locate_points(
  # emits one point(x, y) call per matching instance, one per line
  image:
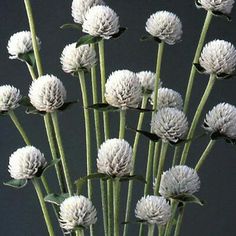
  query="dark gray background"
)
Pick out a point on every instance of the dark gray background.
point(20, 212)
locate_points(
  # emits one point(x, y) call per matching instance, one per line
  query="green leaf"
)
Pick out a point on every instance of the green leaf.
point(67, 105)
point(16, 183)
point(3, 113)
point(34, 111)
point(28, 57)
point(25, 101)
point(225, 76)
point(88, 39)
point(103, 107)
point(188, 198)
point(56, 199)
point(147, 134)
point(121, 31)
point(139, 178)
point(51, 164)
point(198, 4)
point(221, 14)
point(140, 109)
point(150, 38)
point(72, 26)
point(199, 68)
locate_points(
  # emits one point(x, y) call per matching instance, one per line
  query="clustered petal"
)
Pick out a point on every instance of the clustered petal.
point(147, 81)
point(223, 6)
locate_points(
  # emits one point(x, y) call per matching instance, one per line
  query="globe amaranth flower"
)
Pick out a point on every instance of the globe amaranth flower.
point(79, 8)
point(20, 43)
point(101, 21)
point(47, 93)
point(153, 210)
point(222, 119)
point(123, 89)
point(115, 158)
point(170, 124)
point(165, 26)
point(218, 57)
point(179, 180)
point(9, 98)
point(26, 163)
point(75, 58)
point(168, 98)
point(77, 211)
point(223, 6)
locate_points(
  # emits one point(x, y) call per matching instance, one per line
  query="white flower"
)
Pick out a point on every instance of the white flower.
point(101, 21)
point(147, 80)
point(47, 93)
point(74, 59)
point(170, 124)
point(168, 98)
point(115, 158)
point(153, 210)
point(20, 43)
point(218, 57)
point(80, 7)
point(165, 26)
point(9, 97)
point(77, 211)
point(123, 89)
point(222, 119)
point(224, 6)
point(179, 180)
point(26, 163)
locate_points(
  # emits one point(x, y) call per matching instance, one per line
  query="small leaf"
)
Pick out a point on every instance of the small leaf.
point(147, 134)
point(187, 198)
point(103, 107)
point(16, 183)
point(121, 31)
point(199, 68)
point(28, 57)
point(139, 178)
point(221, 14)
point(225, 76)
point(179, 142)
point(25, 101)
point(34, 111)
point(88, 39)
point(198, 4)
point(216, 135)
point(67, 105)
point(72, 26)
point(3, 113)
point(56, 199)
point(140, 109)
point(150, 38)
point(51, 164)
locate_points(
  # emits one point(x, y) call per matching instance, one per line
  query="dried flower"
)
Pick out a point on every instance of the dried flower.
point(101, 21)
point(47, 93)
point(147, 80)
point(26, 163)
point(153, 210)
point(179, 180)
point(80, 8)
point(115, 158)
point(165, 26)
point(223, 6)
point(170, 124)
point(77, 211)
point(81, 58)
point(218, 57)
point(9, 98)
point(222, 119)
point(123, 89)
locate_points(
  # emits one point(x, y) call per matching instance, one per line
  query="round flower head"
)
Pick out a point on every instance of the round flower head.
point(77, 211)
point(179, 180)
point(81, 58)
point(223, 6)
point(170, 124)
point(101, 21)
point(26, 163)
point(168, 98)
point(9, 98)
point(218, 57)
point(222, 119)
point(47, 93)
point(123, 89)
point(147, 81)
point(80, 7)
point(153, 210)
point(115, 158)
point(20, 43)
point(165, 26)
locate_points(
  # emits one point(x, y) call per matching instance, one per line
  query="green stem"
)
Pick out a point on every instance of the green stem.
point(43, 206)
point(174, 205)
point(205, 154)
point(151, 229)
point(122, 124)
point(156, 158)
point(195, 60)
point(176, 155)
point(45, 184)
point(116, 205)
point(109, 205)
point(161, 230)
point(80, 232)
point(31, 71)
point(179, 221)
point(62, 153)
point(197, 117)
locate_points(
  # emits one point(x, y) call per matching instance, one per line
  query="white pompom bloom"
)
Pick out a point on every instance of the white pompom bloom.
point(165, 26)
point(168, 98)
point(26, 163)
point(123, 89)
point(101, 21)
point(179, 180)
point(115, 158)
point(147, 80)
point(20, 43)
point(170, 124)
point(81, 58)
point(223, 6)
point(9, 98)
point(218, 57)
point(153, 210)
point(79, 8)
point(77, 211)
point(222, 119)
point(47, 93)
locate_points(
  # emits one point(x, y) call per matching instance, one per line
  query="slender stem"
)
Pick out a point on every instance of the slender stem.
point(151, 229)
point(43, 206)
point(156, 158)
point(45, 184)
point(31, 71)
point(109, 205)
point(116, 205)
point(179, 221)
point(122, 124)
point(205, 154)
point(176, 155)
point(62, 153)
point(174, 205)
point(80, 232)
point(197, 117)
point(195, 60)
point(161, 230)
